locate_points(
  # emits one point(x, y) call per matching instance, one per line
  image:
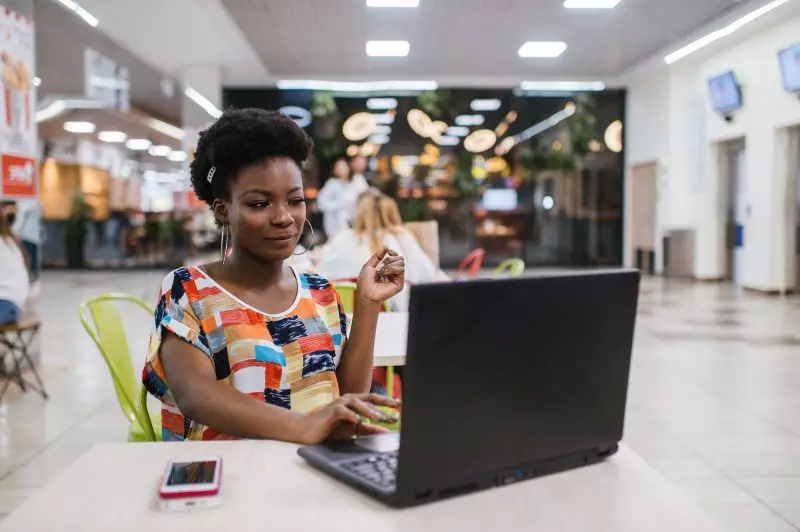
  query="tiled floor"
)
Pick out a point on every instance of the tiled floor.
point(714, 397)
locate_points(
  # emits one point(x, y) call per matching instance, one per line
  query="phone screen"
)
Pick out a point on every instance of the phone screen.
point(187, 473)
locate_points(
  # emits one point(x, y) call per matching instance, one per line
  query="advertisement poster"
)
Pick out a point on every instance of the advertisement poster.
point(18, 131)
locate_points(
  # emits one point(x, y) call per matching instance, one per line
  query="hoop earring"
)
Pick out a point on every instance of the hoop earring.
point(224, 242)
point(312, 239)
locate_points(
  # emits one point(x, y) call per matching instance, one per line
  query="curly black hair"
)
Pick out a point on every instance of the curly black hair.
point(240, 138)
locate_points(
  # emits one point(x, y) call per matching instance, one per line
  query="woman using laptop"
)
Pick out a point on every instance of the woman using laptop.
point(247, 346)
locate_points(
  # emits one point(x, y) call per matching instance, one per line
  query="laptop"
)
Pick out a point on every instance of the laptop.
point(505, 380)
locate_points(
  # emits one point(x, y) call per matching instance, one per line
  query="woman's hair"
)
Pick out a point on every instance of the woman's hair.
point(5, 225)
point(376, 213)
point(238, 139)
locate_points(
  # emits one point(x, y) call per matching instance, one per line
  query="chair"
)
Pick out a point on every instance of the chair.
point(471, 264)
point(12, 339)
point(109, 336)
point(515, 268)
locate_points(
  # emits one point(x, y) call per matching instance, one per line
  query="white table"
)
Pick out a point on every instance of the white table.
point(268, 487)
point(390, 339)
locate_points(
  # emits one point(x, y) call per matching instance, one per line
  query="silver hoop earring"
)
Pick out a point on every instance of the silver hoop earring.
point(224, 242)
point(312, 239)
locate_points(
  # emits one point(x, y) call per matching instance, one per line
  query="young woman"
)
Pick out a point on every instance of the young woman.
point(378, 224)
point(248, 347)
point(338, 197)
point(14, 279)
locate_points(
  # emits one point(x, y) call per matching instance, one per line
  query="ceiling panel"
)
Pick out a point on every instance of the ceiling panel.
point(463, 38)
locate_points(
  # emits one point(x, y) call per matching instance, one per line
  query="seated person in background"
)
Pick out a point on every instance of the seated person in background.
point(338, 197)
point(14, 278)
point(249, 347)
point(378, 223)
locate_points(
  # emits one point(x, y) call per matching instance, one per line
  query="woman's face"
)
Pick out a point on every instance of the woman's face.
point(341, 169)
point(267, 209)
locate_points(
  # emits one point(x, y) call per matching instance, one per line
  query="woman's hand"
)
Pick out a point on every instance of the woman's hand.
point(342, 419)
point(378, 282)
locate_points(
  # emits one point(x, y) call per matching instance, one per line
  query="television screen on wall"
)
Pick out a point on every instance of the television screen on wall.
point(725, 94)
point(790, 67)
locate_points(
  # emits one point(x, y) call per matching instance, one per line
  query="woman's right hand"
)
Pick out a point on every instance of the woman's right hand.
point(343, 418)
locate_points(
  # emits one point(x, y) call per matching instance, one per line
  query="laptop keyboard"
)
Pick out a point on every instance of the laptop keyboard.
point(380, 469)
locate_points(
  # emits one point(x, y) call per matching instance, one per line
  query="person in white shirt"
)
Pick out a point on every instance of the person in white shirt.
point(378, 223)
point(338, 197)
point(28, 228)
point(14, 280)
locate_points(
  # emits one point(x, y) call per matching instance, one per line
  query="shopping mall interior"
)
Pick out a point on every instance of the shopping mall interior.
point(206, 187)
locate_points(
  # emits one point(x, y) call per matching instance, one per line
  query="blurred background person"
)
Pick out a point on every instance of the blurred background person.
point(338, 197)
point(28, 228)
point(378, 223)
point(359, 169)
point(14, 280)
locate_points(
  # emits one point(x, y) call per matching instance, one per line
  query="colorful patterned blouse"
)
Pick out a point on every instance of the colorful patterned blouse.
point(287, 360)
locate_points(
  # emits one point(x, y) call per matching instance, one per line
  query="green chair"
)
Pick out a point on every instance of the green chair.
point(108, 334)
point(515, 268)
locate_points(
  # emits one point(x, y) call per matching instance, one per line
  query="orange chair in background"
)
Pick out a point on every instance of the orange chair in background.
point(471, 265)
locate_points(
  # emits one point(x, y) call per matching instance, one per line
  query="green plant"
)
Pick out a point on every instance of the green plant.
point(75, 231)
point(463, 181)
point(434, 102)
point(324, 104)
point(326, 125)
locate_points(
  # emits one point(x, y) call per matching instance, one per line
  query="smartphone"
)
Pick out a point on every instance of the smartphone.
point(193, 484)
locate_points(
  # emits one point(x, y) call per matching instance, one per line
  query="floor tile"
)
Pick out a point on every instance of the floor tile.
point(748, 517)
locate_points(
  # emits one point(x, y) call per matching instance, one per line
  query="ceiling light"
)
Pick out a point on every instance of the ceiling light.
point(352, 150)
point(358, 127)
point(159, 151)
point(392, 3)
point(480, 141)
point(378, 139)
point(37, 81)
point(446, 140)
point(87, 17)
point(177, 156)
point(591, 4)
point(704, 41)
point(382, 130)
point(138, 144)
point(613, 136)
point(301, 117)
point(501, 128)
point(381, 103)
point(485, 105)
point(388, 48)
point(167, 129)
point(112, 136)
point(356, 86)
point(419, 122)
point(542, 49)
point(383, 118)
point(470, 120)
point(203, 102)
point(562, 86)
point(511, 117)
point(457, 131)
point(79, 127)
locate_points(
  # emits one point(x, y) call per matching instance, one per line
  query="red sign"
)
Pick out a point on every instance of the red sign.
point(193, 201)
point(18, 177)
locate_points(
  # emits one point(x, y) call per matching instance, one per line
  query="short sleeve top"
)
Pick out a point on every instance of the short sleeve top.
point(287, 360)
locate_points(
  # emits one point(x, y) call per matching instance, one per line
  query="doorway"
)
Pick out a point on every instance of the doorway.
point(734, 154)
point(643, 186)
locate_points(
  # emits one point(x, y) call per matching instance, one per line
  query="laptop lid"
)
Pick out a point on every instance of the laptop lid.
point(504, 373)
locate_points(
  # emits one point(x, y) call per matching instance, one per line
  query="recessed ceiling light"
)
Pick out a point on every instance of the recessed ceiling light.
point(381, 103)
point(79, 127)
point(469, 120)
point(388, 48)
point(138, 144)
point(562, 86)
point(457, 131)
point(392, 3)
point(356, 86)
point(542, 49)
point(177, 156)
point(383, 118)
point(36, 81)
point(159, 151)
point(716, 35)
point(112, 136)
point(485, 105)
point(591, 4)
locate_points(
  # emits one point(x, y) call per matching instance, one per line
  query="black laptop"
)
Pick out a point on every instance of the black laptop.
point(505, 380)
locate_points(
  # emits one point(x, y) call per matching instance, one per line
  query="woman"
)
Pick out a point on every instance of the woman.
point(378, 224)
point(248, 347)
point(14, 278)
point(338, 197)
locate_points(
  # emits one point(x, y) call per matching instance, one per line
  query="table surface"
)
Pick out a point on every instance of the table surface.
point(266, 486)
point(390, 339)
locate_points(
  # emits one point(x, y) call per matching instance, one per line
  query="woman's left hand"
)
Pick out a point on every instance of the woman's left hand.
point(378, 282)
